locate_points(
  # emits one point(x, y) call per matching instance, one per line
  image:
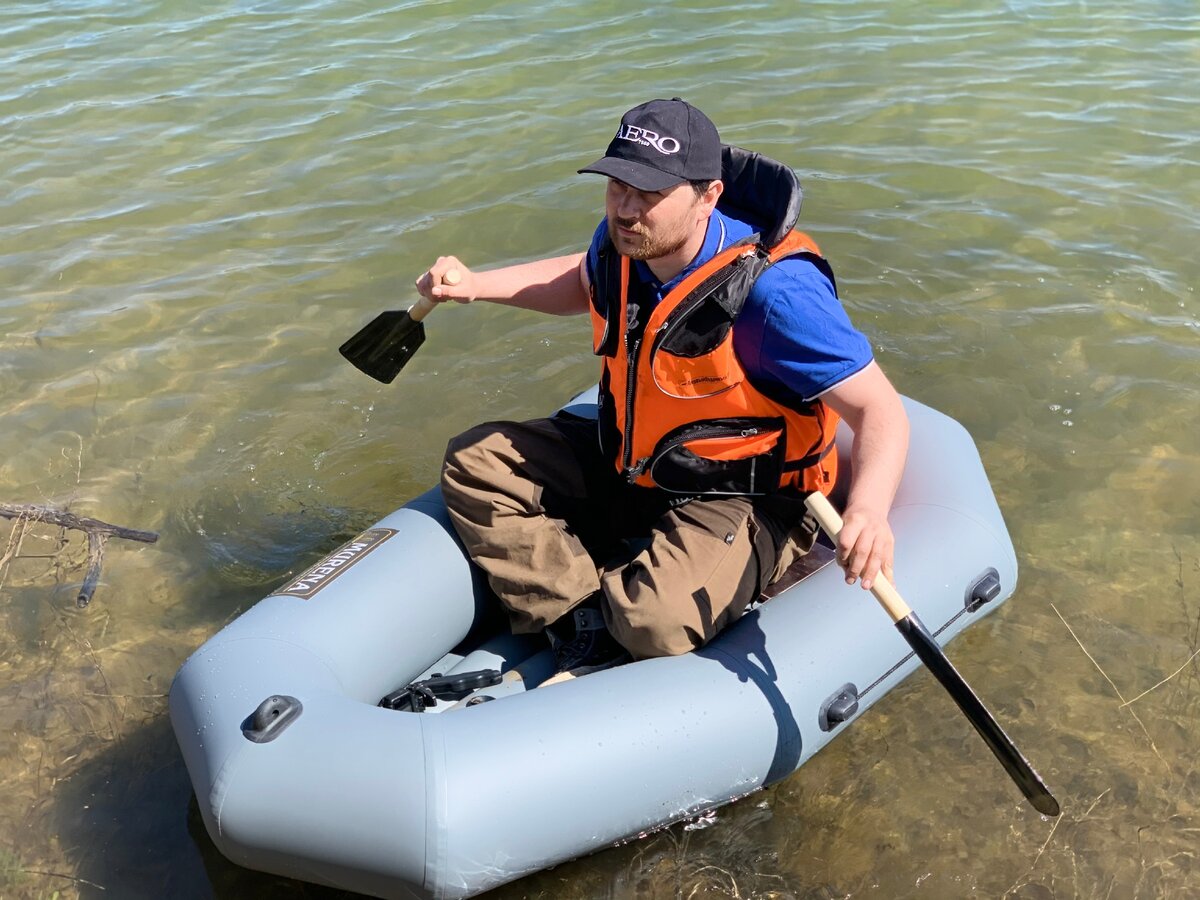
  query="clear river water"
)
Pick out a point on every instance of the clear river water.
point(200, 201)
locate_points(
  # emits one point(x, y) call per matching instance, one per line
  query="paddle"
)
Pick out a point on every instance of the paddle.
point(931, 654)
point(385, 344)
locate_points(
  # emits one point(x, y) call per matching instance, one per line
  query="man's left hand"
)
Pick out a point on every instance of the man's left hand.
point(865, 546)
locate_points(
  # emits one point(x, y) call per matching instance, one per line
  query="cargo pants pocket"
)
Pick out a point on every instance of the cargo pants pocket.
point(698, 574)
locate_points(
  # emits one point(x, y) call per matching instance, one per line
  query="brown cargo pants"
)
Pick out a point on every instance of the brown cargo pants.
point(551, 523)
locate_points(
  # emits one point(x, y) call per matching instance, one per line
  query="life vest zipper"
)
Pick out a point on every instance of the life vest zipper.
point(709, 431)
point(631, 352)
point(715, 431)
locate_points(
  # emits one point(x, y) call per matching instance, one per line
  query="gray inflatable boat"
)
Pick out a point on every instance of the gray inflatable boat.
point(299, 770)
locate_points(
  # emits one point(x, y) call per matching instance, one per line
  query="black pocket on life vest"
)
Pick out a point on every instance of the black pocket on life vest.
point(728, 456)
point(700, 330)
point(703, 320)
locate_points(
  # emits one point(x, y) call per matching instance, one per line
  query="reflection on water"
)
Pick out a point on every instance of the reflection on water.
point(200, 206)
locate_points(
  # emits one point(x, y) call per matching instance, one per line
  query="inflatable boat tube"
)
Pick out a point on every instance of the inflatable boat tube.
point(471, 781)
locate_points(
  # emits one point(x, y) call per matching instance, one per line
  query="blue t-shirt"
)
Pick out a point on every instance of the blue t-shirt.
point(793, 334)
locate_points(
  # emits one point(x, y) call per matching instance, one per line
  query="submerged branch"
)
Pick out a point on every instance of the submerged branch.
point(98, 533)
point(69, 520)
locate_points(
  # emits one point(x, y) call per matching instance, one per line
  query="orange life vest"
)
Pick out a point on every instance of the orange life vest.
point(677, 410)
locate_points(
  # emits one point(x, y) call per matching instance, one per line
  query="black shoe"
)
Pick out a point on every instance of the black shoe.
point(591, 649)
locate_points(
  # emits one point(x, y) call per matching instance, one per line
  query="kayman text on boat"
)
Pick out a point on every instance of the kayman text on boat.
point(727, 360)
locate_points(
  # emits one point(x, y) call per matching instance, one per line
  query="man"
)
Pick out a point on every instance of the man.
point(727, 361)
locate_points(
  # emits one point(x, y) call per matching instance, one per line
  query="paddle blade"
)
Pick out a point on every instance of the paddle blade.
point(385, 345)
point(1001, 745)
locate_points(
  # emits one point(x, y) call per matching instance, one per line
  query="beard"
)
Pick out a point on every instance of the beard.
point(645, 245)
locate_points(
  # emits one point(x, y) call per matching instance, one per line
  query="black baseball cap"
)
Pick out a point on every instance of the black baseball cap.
point(660, 144)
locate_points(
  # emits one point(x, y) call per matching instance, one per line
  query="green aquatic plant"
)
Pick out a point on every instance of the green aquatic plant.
point(12, 870)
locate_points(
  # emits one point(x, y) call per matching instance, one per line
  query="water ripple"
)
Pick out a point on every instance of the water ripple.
point(201, 201)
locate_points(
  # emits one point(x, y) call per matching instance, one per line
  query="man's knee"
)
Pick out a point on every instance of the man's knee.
point(473, 473)
point(474, 444)
point(483, 459)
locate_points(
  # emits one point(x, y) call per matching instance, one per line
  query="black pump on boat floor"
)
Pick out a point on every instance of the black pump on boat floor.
point(420, 695)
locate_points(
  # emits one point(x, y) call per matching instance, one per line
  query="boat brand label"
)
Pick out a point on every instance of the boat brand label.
point(336, 563)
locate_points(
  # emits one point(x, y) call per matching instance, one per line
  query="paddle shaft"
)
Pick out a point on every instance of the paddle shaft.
point(928, 651)
point(423, 307)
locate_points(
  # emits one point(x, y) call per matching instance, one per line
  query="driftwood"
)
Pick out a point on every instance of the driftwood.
point(98, 533)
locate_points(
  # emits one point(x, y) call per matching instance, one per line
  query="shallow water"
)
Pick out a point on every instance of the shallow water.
point(198, 207)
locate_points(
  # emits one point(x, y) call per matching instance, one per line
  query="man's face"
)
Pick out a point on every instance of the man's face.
point(649, 225)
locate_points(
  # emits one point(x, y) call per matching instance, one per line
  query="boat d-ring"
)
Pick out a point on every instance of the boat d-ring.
point(270, 718)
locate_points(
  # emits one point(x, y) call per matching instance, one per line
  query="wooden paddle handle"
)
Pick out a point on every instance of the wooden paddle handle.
point(829, 520)
point(424, 306)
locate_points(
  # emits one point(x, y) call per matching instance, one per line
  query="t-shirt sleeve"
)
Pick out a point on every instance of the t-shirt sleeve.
point(795, 334)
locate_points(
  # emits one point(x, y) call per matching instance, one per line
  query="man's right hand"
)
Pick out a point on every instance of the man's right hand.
point(447, 279)
point(552, 285)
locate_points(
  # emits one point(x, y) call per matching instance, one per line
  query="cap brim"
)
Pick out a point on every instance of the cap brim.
point(636, 175)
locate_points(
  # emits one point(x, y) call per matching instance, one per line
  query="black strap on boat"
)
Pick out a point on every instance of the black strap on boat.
point(420, 695)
